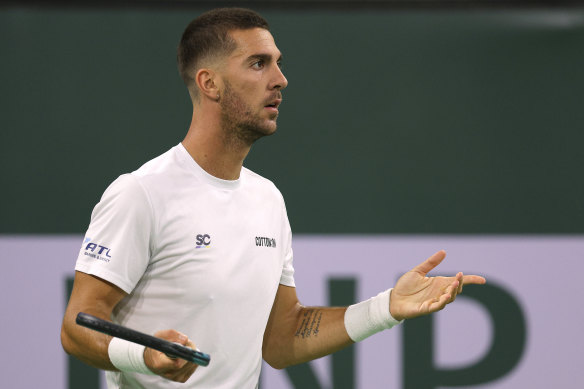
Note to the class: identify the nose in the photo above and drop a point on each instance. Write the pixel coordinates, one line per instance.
(280, 81)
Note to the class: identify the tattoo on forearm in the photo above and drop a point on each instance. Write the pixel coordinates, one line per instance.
(310, 324)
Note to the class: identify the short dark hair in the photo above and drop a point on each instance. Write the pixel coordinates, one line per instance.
(208, 36)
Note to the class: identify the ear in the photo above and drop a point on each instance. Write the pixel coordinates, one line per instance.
(207, 81)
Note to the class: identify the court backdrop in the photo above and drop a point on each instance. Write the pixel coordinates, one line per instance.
(522, 329)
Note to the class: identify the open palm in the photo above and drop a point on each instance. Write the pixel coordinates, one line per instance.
(415, 294)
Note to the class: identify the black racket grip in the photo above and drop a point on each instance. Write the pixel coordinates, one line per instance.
(171, 349)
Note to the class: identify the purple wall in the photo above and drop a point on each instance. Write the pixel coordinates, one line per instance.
(542, 273)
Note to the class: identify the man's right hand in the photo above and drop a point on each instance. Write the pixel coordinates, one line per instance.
(172, 369)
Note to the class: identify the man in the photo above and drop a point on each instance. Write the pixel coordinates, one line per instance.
(194, 246)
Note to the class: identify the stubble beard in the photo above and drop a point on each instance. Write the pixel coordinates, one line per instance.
(240, 125)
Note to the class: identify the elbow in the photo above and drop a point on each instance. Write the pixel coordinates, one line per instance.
(277, 366)
(276, 363)
(272, 358)
(276, 359)
(66, 341)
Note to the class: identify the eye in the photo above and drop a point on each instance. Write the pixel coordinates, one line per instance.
(280, 64)
(259, 64)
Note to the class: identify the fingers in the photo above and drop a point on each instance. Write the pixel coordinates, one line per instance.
(173, 369)
(190, 344)
(430, 263)
(172, 336)
(451, 291)
(477, 280)
(460, 283)
(176, 337)
(439, 303)
(454, 287)
(433, 261)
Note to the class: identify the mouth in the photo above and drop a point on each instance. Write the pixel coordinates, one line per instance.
(274, 104)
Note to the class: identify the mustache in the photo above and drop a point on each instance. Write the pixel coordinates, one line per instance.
(275, 96)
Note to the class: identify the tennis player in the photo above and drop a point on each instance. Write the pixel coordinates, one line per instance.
(196, 249)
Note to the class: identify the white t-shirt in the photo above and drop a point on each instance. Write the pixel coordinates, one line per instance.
(197, 254)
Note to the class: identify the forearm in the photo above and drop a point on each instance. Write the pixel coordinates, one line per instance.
(89, 346)
(306, 333)
(297, 334)
(98, 298)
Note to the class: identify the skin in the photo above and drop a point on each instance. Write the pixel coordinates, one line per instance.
(224, 123)
(414, 295)
(230, 98)
(99, 297)
(223, 128)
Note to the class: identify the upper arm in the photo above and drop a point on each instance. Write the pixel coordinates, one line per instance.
(117, 243)
(111, 261)
(94, 294)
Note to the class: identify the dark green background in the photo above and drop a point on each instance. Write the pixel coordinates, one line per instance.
(394, 121)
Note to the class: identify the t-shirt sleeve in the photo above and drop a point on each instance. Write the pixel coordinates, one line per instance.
(287, 277)
(116, 247)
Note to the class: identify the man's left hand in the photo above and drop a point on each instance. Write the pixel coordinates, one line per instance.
(415, 294)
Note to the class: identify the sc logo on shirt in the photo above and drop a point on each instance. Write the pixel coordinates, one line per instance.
(203, 240)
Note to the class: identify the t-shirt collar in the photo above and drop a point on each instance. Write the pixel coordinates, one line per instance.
(194, 167)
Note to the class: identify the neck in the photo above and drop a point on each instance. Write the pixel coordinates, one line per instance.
(215, 149)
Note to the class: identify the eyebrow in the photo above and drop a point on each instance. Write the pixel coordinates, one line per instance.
(264, 57)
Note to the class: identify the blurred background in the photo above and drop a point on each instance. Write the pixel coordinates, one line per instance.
(407, 127)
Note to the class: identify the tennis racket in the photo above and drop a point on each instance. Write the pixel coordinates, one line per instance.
(172, 350)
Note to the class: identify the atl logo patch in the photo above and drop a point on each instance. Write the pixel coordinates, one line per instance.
(96, 250)
(203, 241)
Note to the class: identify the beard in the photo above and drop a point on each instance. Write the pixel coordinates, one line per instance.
(238, 120)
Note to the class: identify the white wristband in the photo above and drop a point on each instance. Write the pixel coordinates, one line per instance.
(127, 356)
(369, 317)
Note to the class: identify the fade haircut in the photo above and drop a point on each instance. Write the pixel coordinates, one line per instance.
(207, 37)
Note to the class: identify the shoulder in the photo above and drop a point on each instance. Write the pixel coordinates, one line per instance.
(136, 187)
(126, 192)
(159, 173)
(125, 186)
(261, 183)
(161, 165)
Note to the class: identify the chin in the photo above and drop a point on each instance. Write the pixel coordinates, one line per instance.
(251, 132)
(269, 128)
